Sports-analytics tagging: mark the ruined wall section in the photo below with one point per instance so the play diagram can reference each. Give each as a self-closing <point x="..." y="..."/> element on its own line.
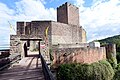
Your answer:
<point x="20" y="28"/>
<point x="28" y="28"/>
<point x="78" y="55"/>
<point x="23" y="28"/>
<point x="33" y="28"/>
<point x="39" y="27"/>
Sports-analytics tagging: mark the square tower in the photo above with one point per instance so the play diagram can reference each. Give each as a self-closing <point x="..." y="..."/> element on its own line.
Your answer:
<point x="68" y="13"/>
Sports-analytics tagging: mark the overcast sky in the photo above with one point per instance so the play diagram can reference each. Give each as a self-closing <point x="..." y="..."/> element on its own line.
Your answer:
<point x="100" y="18"/>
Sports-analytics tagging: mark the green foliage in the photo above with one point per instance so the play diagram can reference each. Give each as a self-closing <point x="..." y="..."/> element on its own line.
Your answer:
<point x="113" y="62"/>
<point x="118" y="57"/>
<point x="96" y="71"/>
<point x="117" y="73"/>
<point x="114" y="39"/>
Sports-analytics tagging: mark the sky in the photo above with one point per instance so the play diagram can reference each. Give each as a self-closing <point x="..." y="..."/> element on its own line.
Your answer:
<point x="100" y="18"/>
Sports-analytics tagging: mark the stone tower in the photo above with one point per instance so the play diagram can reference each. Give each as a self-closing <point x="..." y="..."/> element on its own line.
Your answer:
<point x="68" y="13"/>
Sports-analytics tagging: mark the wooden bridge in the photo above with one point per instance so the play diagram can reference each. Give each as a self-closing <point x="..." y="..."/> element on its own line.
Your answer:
<point x="29" y="68"/>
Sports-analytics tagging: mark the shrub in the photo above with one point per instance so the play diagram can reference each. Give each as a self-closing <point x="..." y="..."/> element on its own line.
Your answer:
<point x="113" y="62"/>
<point x="118" y="56"/>
<point x="96" y="71"/>
<point x="117" y="73"/>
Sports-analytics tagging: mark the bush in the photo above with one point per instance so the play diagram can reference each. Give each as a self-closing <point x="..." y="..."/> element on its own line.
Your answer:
<point x="113" y="62"/>
<point x="96" y="71"/>
<point x="118" y="56"/>
<point x="117" y="73"/>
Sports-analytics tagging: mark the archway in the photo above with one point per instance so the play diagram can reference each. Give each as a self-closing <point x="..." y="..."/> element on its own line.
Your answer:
<point x="30" y="47"/>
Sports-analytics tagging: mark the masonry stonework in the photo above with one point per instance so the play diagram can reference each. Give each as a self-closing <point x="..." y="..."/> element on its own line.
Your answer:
<point x="78" y="55"/>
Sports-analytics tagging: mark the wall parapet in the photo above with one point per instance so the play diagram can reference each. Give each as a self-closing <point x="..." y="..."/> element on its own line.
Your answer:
<point x="78" y="55"/>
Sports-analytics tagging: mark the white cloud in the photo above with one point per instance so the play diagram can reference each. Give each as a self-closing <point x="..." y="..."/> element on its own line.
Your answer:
<point x="34" y="9"/>
<point x="25" y="10"/>
<point x="102" y="19"/>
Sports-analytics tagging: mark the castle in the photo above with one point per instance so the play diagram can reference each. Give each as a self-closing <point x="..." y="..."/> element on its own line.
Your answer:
<point x="65" y="36"/>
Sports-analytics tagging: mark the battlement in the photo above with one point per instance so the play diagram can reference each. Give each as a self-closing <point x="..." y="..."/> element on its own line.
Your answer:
<point x="68" y="4"/>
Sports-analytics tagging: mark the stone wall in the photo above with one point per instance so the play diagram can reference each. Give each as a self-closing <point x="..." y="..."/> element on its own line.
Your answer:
<point x="62" y="15"/>
<point x="78" y="55"/>
<point x="15" y="44"/>
<point x="73" y="14"/>
<point x="39" y="27"/>
<point x="78" y="45"/>
<point x="110" y="51"/>
<point x="33" y="28"/>
<point x="82" y="35"/>
<point x="20" y="28"/>
<point x="66" y="33"/>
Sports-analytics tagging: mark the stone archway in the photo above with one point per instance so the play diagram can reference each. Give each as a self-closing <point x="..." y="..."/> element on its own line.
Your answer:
<point x="28" y="48"/>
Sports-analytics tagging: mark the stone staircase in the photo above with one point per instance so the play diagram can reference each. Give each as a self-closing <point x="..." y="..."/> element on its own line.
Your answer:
<point x="28" y="68"/>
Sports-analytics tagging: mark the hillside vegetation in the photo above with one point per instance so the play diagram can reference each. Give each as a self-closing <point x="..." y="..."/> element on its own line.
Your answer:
<point x="114" y="39"/>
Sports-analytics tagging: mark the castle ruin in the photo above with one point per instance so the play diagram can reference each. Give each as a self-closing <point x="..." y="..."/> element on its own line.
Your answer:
<point x="64" y="36"/>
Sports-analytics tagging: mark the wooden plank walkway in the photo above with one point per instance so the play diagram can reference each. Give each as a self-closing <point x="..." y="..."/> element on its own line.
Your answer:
<point x="29" y="68"/>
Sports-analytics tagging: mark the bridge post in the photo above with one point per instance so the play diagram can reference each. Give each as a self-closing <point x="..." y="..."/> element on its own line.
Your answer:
<point x="39" y="48"/>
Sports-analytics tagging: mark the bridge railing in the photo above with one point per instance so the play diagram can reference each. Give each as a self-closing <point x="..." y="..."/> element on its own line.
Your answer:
<point x="17" y="58"/>
<point x="46" y="71"/>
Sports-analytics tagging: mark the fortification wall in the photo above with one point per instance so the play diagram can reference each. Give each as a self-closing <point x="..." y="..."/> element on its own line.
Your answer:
<point x="78" y="45"/>
<point x="39" y="27"/>
<point x="15" y="44"/>
<point x="78" y="55"/>
<point x="65" y="33"/>
<point x="82" y="35"/>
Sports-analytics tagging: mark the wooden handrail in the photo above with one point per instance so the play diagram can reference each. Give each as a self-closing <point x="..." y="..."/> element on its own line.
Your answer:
<point x="47" y="73"/>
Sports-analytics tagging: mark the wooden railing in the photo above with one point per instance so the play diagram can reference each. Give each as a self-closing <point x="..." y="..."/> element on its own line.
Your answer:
<point x="46" y="71"/>
<point x="11" y="62"/>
